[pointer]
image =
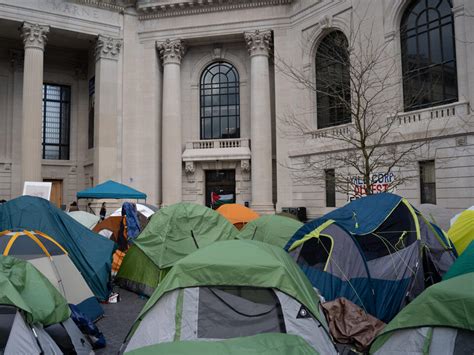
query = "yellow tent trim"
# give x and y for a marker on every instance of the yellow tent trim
(41, 245)
(10, 243)
(51, 240)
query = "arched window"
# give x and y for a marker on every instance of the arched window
(428, 54)
(220, 102)
(333, 81)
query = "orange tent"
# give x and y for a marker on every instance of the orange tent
(110, 227)
(236, 214)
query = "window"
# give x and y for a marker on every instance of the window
(330, 178)
(220, 102)
(56, 112)
(427, 182)
(333, 81)
(428, 54)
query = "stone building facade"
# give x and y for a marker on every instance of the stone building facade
(182, 98)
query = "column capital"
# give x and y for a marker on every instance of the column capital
(107, 47)
(171, 51)
(259, 42)
(34, 35)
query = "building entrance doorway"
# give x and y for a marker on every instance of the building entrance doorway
(56, 192)
(220, 187)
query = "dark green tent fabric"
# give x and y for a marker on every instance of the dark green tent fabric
(238, 263)
(262, 344)
(23, 286)
(271, 229)
(449, 303)
(463, 264)
(167, 238)
(90, 252)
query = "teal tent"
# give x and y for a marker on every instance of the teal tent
(111, 189)
(463, 265)
(90, 253)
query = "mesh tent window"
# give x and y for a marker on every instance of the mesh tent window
(230, 312)
(220, 101)
(333, 81)
(428, 54)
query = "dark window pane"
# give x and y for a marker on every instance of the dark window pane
(220, 102)
(330, 187)
(333, 81)
(429, 67)
(56, 121)
(427, 182)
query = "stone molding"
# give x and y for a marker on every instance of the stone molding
(171, 51)
(156, 9)
(259, 42)
(245, 165)
(189, 168)
(17, 59)
(107, 47)
(34, 35)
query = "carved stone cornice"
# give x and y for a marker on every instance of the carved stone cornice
(34, 35)
(171, 51)
(107, 48)
(151, 9)
(259, 42)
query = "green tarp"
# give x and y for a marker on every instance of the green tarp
(262, 344)
(238, 263)
(167, 238)
(464, 263)
(271, 229)
(23, 286)
(449, 303)
(90, 252)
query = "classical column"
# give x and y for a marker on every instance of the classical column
(107, 53)
(34, 39)
(171, 53)
(259, 43)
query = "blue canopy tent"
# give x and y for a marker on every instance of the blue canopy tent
(111, 189)
(397, 253)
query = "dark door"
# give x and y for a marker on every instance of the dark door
(220, 187)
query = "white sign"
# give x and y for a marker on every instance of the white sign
(381, 182)
(38, 189)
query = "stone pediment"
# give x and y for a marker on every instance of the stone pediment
(149, 9)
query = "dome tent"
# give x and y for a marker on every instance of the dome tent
(172, 233)
(90, 253)
(271, 229)
(440, 320)
(34, 317)
(237, 214)
(261, 344)
(243, 288)
(397, 253)
(53, 261)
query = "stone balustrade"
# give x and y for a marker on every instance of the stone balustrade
(218, 143)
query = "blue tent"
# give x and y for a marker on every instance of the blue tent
(381, 244)
(111, 189)
(91, 253)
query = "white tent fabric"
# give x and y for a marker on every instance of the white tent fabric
(144, 210)
(88, 220)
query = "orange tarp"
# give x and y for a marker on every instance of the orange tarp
(112, 224)
(236, 214)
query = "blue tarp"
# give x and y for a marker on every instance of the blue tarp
(364, 215)
(111, 189)
(91, 253)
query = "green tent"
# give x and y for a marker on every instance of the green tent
(172, 233)
(463, 264)
(232, 289)
(261, 344)
(23, 286)
(441, 318)
(271, 229)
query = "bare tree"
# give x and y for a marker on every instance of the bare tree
(357, 85)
